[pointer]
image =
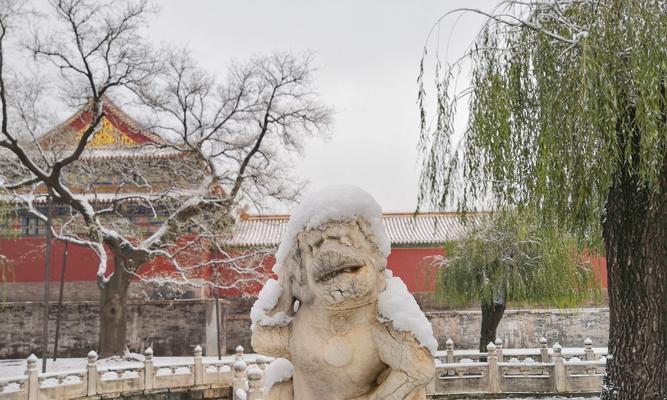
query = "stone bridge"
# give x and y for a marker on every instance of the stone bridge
(539, 370)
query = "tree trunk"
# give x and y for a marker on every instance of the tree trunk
(492, 313)
(634, 231)
(113, 313)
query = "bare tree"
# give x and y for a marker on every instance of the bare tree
(231, 139)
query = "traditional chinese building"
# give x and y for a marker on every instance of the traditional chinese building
(122, 160)
(123, 169)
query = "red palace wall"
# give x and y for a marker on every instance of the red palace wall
(600, 270)
(416, 266)
(27, 256)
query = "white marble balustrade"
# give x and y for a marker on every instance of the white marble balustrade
(543, 370)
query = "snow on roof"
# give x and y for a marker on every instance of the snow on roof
(130, 152)
(403, 229)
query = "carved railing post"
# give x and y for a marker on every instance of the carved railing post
(199, 366)
(560, 373)
(33, 378)
(499, 349)
(544, 350)
(494, 373)
(239, 379)
(589, 354)
(149, 369)
(91, 373)
(449, 356)
(255, 384)
(238, 355)
(449, 346)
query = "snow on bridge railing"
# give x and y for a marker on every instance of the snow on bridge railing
(543, 353)
(148, 378)
(545, 370)
(555, 370)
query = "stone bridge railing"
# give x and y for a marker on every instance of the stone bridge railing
(147, 379)
(545, 370)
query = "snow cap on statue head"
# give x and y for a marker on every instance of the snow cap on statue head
(334, 203)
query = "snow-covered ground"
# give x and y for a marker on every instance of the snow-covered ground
(17, 367)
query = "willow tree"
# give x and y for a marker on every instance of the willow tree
(568, 114)
(511, 257)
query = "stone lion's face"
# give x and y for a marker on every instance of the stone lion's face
(340, 263)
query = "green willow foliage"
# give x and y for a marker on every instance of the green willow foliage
(515, 255)
(559, 88)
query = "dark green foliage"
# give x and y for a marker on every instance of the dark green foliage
(514, 256)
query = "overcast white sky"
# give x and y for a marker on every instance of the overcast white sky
(368, 53)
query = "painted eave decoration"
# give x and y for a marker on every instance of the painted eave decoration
(119, 135)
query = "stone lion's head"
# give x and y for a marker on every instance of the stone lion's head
(334, 252)
(337, 263)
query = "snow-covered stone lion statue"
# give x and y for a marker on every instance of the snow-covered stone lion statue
(348, 328)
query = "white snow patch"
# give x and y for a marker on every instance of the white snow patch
(398, 306)
(11, 387)
(266, 301)
(240, 394)
(127, 356)
(342, 203)
(119, 374)
(278, 371)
